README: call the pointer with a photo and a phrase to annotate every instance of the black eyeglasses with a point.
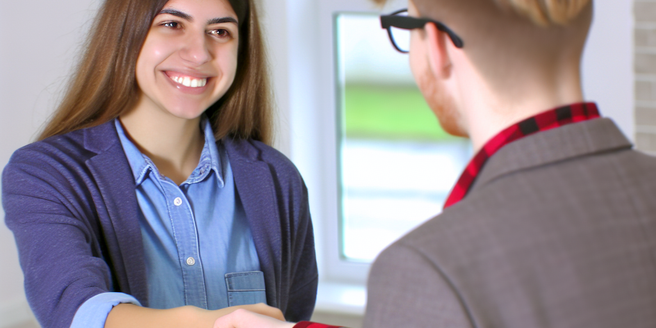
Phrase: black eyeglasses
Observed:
(399, 24)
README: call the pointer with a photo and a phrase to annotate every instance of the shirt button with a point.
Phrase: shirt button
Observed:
(191, 261)
(177, 201)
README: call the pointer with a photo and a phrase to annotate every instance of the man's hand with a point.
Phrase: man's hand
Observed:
(266, 317)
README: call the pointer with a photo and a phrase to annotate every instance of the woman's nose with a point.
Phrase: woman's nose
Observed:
(195, 50)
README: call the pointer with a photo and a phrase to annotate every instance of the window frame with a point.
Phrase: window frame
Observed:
(314, 134)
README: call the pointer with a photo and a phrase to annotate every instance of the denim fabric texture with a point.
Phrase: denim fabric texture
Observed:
(93, 313)
(245, 288)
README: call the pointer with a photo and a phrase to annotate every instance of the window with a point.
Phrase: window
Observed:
(315, 77)
(396, 165)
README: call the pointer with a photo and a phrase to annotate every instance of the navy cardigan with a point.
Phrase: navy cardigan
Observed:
(70, 201)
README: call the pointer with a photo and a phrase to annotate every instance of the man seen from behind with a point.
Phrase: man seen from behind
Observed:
(553, 222)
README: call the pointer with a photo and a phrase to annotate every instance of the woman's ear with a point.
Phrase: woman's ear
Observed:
(438, 56)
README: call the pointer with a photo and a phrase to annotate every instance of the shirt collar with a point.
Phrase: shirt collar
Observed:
(544, 121)
(210, 159)
(137, 161)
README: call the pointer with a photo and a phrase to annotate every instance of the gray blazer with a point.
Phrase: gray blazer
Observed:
(559, 230)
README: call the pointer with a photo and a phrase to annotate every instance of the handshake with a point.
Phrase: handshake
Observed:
(257, 316)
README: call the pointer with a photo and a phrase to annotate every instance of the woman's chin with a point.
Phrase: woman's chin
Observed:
(186, 112)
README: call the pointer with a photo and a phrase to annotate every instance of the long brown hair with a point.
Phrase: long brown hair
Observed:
(104, 84)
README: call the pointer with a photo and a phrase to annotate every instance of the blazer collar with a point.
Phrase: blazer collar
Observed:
(101, 138)
(569, 141)
(258, 193)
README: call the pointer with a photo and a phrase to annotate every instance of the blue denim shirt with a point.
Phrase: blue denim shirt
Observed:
(198, 246)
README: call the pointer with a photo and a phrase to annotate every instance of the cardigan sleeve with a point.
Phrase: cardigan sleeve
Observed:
(305, 279)
(298, 278)
(50, 215)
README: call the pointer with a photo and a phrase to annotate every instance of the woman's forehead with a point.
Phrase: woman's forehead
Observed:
(199, 9)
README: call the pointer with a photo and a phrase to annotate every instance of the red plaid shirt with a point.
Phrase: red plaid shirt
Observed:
(544, 121)
(308, 324)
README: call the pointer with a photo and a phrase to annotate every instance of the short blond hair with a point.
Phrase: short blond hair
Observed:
(546, 12)
(541, 12)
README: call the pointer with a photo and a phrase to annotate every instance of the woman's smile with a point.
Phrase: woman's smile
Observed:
(188, 81)
(189, 84)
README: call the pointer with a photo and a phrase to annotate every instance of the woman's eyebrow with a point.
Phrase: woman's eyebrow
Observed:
(188, 17)
(220, 20)
(176, 13)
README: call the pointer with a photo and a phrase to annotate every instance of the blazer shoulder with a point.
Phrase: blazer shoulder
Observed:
(62, 153)
(70, 144)
(58, 162)
(508, 215)
(78, 145)
(458, 227)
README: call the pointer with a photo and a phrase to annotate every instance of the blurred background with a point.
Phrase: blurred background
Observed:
(374, 158)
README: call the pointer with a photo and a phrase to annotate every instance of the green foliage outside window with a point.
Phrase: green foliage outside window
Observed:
(390, 113)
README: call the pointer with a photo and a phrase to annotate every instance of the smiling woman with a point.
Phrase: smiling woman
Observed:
(104, 85)
(152, 197)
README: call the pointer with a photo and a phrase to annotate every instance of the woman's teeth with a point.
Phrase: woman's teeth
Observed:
(190, 82)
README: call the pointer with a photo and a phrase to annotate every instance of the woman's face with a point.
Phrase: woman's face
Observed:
(189, 58)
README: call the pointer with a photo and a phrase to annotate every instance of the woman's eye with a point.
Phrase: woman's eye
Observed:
(174, 25)
(220, 33)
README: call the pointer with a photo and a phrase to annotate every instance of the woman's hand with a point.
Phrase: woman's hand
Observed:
(259, 309)
(129, 315)
(264, 318)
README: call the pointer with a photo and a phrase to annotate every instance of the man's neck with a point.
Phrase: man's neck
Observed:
(486, 114)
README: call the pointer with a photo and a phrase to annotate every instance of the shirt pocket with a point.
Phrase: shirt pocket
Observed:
(245, 288)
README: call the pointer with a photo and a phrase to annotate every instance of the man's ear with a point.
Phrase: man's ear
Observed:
(438, 56)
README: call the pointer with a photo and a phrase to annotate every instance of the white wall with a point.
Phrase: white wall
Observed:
(39, 40)
(608, 62)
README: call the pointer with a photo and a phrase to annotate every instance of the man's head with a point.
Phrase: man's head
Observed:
(512, 45)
